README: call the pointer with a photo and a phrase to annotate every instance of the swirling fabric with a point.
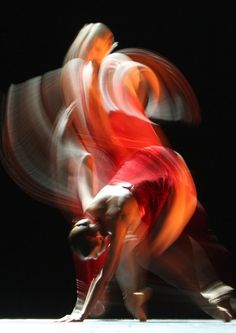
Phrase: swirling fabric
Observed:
(88, 116)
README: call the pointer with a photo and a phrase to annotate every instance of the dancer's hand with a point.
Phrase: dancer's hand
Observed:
(73, 317)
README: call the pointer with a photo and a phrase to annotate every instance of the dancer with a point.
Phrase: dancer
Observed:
(145, 213)
(94, 113)
(131, 135)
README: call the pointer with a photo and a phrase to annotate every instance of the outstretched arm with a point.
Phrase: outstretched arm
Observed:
(131, 278)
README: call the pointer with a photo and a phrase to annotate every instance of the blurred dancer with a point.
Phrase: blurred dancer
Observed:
(93, 43)
(94, 113)
(143, 211)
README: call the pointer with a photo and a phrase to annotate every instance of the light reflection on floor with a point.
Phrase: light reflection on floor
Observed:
(116, 326)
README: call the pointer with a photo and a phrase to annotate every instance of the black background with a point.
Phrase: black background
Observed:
(37, 276)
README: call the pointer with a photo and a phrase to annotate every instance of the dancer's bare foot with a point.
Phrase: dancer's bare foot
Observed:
(136, 303)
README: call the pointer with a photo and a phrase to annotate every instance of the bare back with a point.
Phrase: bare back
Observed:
(112, 203)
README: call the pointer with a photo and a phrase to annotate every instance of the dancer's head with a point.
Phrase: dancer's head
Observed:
(93, 42)
(86, 240)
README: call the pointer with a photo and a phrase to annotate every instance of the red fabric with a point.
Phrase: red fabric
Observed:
(85, 272)
(149, 171)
